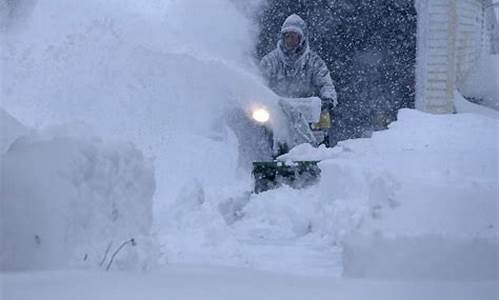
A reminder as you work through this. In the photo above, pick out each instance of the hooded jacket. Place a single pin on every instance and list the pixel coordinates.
(299, 72)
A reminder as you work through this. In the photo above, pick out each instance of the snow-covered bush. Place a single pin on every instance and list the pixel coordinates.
(68, 199)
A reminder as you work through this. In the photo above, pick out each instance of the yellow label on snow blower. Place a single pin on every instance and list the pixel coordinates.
(324, 121)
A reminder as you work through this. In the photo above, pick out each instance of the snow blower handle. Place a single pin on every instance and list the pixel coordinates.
(309, 107)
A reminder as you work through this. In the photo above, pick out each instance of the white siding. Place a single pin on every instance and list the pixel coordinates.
(451, 37)
(469, 36)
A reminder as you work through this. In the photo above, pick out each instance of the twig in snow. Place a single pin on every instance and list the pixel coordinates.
(131, 241)
(106, 254)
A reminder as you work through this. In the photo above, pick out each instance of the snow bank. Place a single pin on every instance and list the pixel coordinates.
(427, 191)
(416, 201)
(482, 81)
(462, 105)
(69, 199)
(10, 130)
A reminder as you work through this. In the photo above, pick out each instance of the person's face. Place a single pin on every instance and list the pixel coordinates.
(291, 39)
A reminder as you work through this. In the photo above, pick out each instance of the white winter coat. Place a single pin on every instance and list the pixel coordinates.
(300, 72)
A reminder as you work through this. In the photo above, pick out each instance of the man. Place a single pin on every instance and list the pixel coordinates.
(292, 70)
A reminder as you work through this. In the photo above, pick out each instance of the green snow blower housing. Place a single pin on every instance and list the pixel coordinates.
(272, 174)
(306, 123)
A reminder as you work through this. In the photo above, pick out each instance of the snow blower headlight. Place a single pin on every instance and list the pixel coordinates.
(260, 115)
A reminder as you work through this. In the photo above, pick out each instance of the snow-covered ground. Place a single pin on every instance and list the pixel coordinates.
(411, 213)
(406, 216)
(189, 283)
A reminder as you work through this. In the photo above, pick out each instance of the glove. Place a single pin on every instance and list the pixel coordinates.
(327, 104)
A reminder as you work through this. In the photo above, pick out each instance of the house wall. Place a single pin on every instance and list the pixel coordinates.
(14, 13)
(490, 36)
(450, 40)
(470, 39)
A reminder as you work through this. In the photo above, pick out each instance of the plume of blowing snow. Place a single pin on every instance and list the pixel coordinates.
(159, 73)
(156, 73)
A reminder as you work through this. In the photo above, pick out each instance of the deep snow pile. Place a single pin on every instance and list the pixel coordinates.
(10, 130)
(68, 199)
(463, 105)
(482, 81)
(427, 191)
(418, 200)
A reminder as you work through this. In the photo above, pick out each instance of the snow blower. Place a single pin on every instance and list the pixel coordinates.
(306, 123)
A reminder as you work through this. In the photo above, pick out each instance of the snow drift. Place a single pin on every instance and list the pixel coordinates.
(425, 192)
(417, 201)
(10, 130)
(482, 82)
(71, 200)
